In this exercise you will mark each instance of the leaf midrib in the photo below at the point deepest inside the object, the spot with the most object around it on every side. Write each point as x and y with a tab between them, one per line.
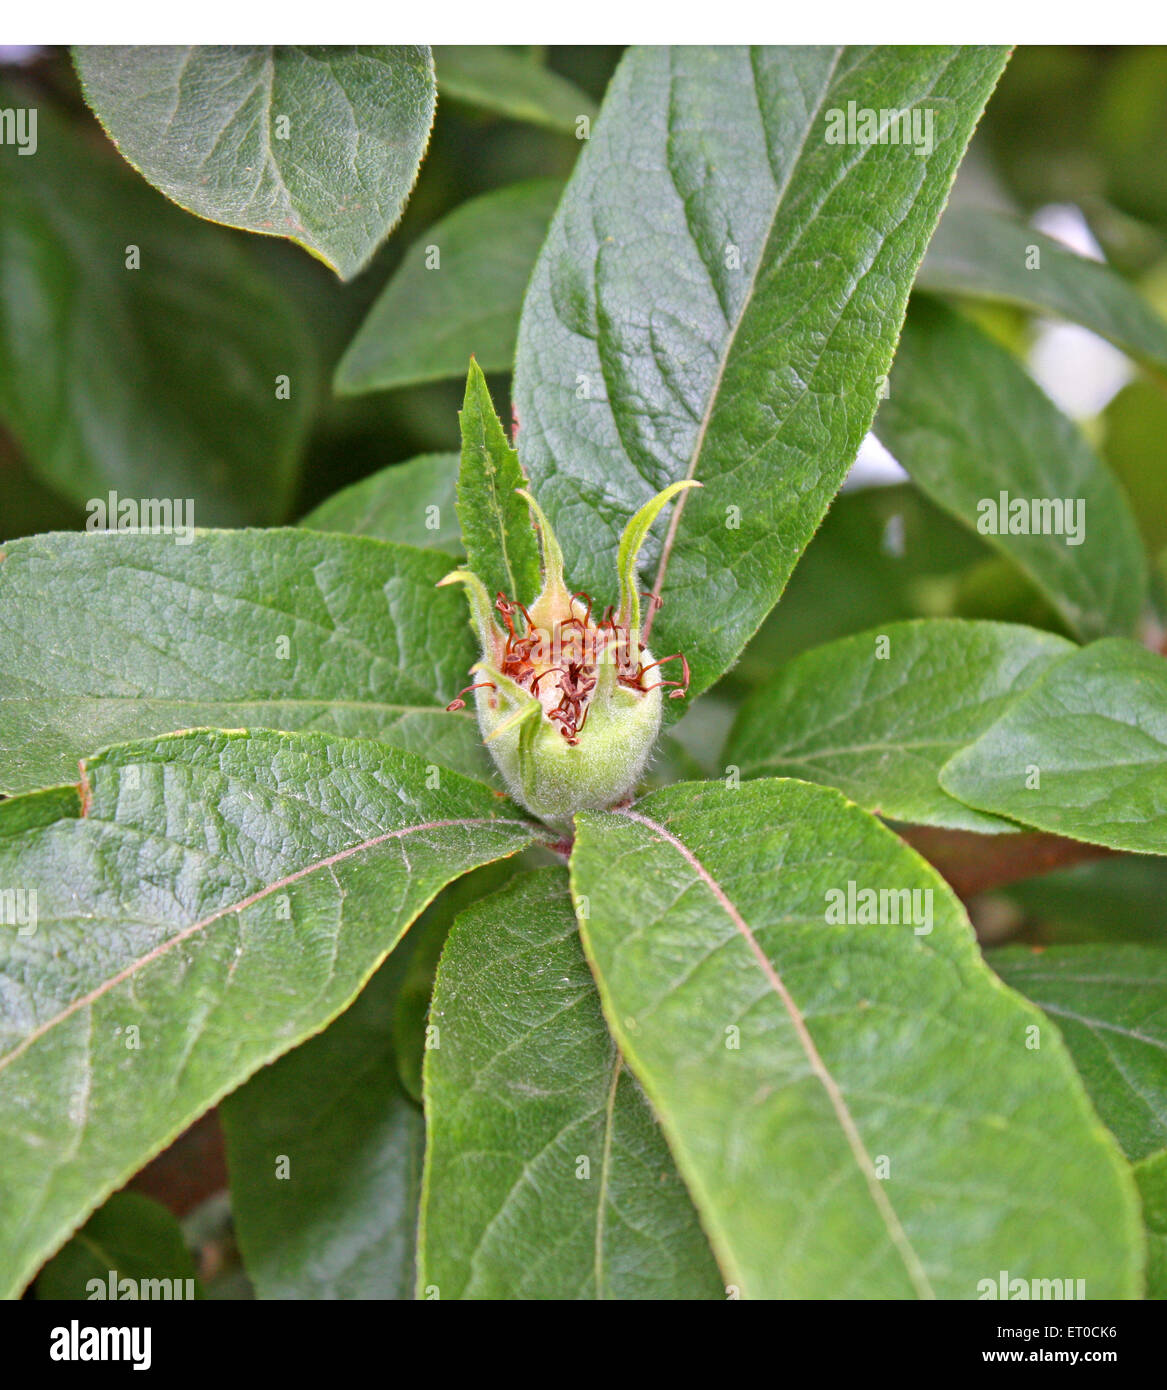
896	1233
732	334
185	701
129	971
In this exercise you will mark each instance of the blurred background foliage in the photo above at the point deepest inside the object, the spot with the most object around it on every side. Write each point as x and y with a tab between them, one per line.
1073	141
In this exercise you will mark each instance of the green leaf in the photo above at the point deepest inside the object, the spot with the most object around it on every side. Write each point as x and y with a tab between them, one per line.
158	382
317	144
719	298
110	637
854	1107
546	1174
1118	898
985	255
881	554
878	714
396	504
412	1005
1135	423
1082	753
1110	1005
339	1220
430	318
27	503
1151	1176
995	590
497	534
969	425
130	1237
494	79
221	897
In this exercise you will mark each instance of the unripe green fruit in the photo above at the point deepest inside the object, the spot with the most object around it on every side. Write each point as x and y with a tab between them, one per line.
570	709
553	778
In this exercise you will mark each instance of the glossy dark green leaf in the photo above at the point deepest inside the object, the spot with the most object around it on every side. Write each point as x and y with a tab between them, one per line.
497	534
985	255
318	144
1082	753
508	84
456	295
547	1176
719	298
858	1109
324	1149
159	382
412	503
112	636
1110	1005
220	897
129	1238
1151	1176
878	714
971	427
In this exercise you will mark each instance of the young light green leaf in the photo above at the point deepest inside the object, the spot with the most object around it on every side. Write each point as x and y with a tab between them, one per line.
719	298
1151	1176
811	1067
878	714
109	299
220	897
1110	1005
457	294
1082	753
986	443
546	1174
497	534
324	1149
495	79
412	503
276	629
985	255
628	553
129	1238
317	144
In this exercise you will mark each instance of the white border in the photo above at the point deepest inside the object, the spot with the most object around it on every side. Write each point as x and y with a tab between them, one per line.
585	22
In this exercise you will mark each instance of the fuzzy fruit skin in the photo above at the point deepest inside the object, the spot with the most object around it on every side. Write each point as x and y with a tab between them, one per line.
562	703
552	778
